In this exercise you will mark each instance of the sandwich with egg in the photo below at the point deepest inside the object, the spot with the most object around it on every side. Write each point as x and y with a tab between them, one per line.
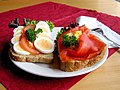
78	48
33	42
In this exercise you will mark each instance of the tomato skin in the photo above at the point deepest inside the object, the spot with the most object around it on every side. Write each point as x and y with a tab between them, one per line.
28	27
24	43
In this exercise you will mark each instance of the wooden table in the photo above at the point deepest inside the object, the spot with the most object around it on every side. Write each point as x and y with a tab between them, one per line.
107	77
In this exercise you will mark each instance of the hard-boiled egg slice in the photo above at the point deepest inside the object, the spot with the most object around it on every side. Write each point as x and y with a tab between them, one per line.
17	48
44	45
15	39
44	26
18	30
17	33
42	23
44	34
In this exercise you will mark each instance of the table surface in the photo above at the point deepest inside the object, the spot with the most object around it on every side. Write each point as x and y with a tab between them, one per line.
107	77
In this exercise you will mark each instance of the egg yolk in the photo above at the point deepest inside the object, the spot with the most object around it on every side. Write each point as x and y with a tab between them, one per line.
43	35
44	44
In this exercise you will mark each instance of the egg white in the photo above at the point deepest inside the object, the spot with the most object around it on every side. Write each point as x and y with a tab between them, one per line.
44	26
15	39
17	48
43	44
44	34
17	30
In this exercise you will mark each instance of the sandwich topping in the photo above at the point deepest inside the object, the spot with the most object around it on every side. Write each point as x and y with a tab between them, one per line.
34	38
74	42
77	43
76	47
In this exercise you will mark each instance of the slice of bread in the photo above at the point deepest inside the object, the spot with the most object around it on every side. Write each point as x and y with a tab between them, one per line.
43	58
74	65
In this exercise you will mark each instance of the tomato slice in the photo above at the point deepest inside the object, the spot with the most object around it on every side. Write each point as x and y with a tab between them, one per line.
28	27
24	43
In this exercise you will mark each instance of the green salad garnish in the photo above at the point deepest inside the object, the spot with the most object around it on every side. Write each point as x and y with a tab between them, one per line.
51	25
69	41
34	22
60	32
31	34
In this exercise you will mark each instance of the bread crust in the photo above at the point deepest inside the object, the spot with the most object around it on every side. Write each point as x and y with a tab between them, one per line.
69	66
74	65
43	58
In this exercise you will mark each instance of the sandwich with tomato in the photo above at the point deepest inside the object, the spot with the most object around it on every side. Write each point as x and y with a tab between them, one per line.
33	42
78	48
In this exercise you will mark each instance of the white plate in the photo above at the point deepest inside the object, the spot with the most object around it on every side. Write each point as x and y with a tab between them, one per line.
46	71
